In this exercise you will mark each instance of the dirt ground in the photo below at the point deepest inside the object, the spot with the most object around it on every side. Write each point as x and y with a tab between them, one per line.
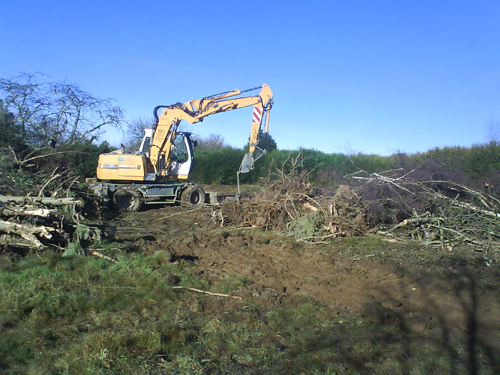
454	294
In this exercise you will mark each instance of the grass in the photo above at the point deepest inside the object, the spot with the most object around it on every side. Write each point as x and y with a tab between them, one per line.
69	315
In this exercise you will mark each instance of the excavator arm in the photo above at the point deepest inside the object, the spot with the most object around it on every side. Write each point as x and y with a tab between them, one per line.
155	158
195	111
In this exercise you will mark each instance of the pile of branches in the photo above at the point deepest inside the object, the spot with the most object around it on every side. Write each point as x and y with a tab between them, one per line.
391	203
292	206
37	222
436	212
36	210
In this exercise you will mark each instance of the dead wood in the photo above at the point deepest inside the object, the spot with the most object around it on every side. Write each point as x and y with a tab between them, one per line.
390	203
51	178
26	211
440	213
9	227
15	241
35	222
205	292
290	205
30	157
28	232
102	256
40	200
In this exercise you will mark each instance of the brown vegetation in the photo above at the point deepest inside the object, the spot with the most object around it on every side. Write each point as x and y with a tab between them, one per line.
392	203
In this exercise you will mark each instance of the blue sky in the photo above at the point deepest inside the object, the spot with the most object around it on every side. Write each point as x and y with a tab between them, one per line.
348	76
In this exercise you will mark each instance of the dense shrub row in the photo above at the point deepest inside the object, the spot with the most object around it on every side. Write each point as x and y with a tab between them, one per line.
476	165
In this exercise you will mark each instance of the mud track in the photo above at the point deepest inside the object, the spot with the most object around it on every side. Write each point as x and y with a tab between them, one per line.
415	287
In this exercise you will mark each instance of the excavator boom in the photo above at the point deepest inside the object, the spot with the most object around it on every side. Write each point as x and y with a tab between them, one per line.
195	111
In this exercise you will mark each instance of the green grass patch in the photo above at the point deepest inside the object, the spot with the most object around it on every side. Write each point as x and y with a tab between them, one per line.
71	315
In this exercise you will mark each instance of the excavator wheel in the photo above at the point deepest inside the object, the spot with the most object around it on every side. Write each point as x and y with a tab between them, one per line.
127	199
193	195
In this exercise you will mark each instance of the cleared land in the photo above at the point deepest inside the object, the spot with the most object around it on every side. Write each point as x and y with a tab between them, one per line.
191	295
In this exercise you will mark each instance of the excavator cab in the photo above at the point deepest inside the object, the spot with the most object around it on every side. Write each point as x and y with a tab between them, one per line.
181	156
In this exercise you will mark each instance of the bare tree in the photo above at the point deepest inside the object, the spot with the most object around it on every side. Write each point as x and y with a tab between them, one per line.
493	132
212	142
135	131
56	113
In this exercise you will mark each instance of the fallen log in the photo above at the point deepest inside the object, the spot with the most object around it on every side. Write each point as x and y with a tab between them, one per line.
40	200
101	255
13	240
26	211
8	227
205	292
27	232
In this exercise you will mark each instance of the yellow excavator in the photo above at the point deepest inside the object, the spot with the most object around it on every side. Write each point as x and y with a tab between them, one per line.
158	172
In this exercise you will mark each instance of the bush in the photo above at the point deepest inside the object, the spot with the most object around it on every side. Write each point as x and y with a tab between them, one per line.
11	133
84	156
217	166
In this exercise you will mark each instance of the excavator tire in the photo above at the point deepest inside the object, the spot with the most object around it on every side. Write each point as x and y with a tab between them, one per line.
127	199
193	195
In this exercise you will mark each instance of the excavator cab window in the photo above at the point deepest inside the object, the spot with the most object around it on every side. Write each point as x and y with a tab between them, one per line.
145	146
179	150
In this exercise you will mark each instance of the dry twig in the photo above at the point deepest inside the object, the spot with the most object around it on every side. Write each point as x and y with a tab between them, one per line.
205	292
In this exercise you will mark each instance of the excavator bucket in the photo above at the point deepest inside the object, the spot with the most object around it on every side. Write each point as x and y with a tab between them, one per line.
247	163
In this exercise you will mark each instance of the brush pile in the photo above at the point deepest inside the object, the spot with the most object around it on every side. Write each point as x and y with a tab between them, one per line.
36	222
38	208
292	206
391	203
442	213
